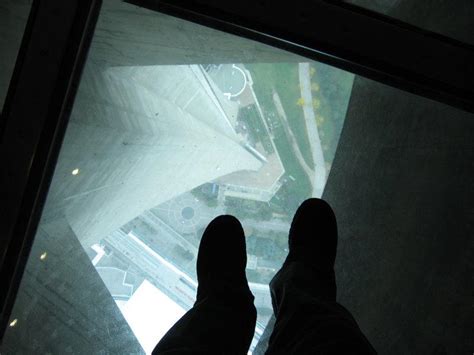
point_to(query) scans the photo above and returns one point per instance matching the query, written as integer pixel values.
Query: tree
(300, 102)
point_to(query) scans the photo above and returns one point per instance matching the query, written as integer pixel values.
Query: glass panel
(449, 18)
(173, 124)
(13, 17)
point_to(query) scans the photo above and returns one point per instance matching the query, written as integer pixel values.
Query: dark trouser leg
(308, 318)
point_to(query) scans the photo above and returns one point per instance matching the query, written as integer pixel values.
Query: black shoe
(222, 321)
(309, 266)
(313, 235)
(222, 259)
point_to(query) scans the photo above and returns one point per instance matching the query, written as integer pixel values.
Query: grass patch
(255, 127)
(266, 77)
(335, 88)
(248, 208)
(283, 77)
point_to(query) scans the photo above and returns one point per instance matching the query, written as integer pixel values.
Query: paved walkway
(312, 129)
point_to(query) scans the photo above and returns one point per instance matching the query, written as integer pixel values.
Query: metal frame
(54, 48)
(347, 37)
(33, 122)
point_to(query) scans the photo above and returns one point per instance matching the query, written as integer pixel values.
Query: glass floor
(173, 125)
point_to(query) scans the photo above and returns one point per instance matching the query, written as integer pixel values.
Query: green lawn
(284, 79)
(334, 92)
(335, 87)
(256, 128)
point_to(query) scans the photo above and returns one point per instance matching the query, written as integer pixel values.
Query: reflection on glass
(13, 17)
(154, 152)
(431, 18)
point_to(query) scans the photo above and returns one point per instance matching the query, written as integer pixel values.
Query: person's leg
(223, 318)
(308, 318)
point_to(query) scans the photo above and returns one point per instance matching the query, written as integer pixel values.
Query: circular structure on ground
(187, 212)
(202, 214)
(230, 79)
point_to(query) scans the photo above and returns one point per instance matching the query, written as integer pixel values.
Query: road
(312, 129)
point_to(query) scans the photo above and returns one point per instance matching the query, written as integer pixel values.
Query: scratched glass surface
(173, 125)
